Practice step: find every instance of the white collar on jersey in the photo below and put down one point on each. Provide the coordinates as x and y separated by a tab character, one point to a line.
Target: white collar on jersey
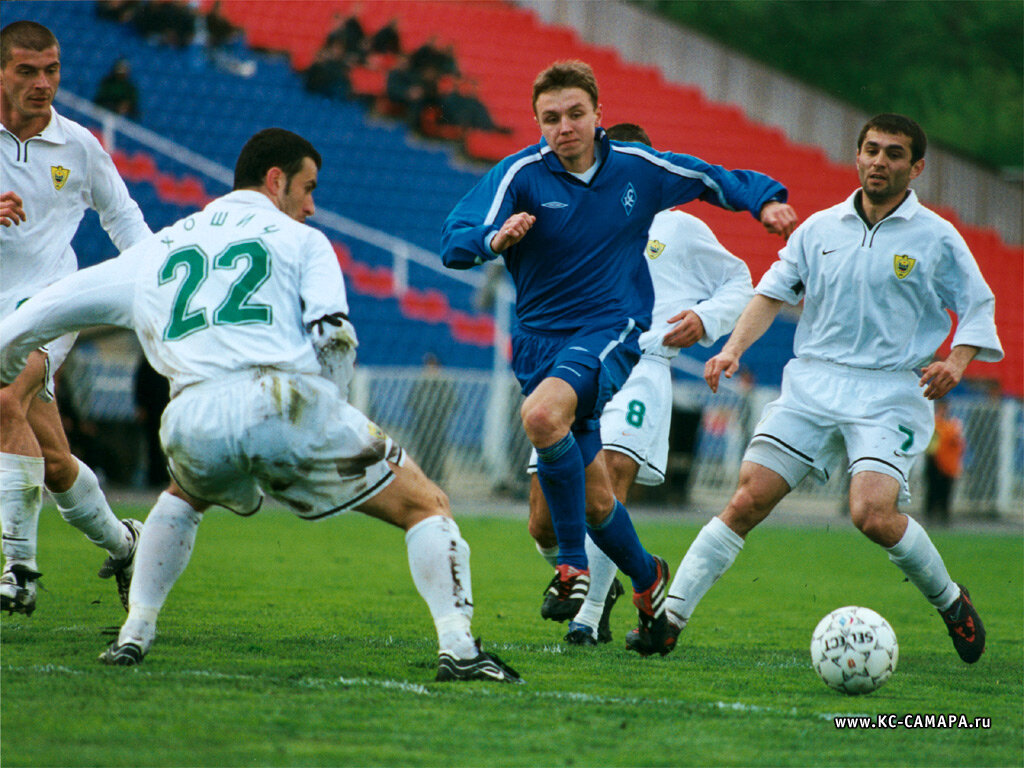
905	210
53	132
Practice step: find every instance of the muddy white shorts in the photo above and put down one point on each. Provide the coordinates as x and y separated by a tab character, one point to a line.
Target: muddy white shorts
637	419
880	419
290	436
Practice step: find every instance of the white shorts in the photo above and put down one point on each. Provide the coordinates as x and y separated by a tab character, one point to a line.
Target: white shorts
880	419
56	351
291	436
637	419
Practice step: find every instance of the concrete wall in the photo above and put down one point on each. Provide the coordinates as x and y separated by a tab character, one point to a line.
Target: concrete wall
807	115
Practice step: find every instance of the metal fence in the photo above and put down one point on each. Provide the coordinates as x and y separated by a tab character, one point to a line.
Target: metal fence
463	428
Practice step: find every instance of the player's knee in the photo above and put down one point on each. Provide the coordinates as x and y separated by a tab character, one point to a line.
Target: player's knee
745	510
60	468
543	424
875	520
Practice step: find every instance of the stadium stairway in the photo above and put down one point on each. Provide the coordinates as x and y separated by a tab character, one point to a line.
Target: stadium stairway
684	120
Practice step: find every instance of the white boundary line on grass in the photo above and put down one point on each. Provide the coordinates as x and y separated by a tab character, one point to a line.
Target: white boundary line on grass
404	686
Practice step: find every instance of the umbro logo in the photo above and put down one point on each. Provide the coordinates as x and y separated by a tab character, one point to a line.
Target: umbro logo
554	204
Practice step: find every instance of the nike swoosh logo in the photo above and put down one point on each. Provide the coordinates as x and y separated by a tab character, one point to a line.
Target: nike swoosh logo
571	370
826	253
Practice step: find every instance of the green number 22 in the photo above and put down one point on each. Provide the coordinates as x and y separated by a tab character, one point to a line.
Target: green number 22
235	309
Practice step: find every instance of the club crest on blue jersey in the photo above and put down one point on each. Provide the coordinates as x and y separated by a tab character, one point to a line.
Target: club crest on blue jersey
59	176
629	198
654	249
903	265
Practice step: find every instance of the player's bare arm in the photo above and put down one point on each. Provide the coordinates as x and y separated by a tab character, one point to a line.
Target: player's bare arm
689	329
512	231
754	321
12	209
778	218
942	375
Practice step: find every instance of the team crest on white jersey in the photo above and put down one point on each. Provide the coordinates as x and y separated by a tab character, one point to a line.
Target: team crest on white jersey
903	265
654	249
629	198
59	175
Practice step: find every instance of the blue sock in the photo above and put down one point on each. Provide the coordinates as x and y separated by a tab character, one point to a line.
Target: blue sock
617	538
561	474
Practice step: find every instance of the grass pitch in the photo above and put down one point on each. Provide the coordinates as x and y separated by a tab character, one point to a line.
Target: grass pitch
295	644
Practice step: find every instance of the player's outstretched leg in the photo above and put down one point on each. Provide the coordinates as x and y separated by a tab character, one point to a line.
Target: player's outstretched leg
164	549
590	625
616	536
561	475
439	564
965	627
21	498
83	505
709	556
920	561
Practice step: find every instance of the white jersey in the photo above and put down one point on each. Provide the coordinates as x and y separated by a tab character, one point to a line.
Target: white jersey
231	288
876	297
59	174
690	269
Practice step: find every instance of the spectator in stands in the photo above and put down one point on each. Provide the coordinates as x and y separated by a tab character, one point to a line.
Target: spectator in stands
461	106
433	57
328	74
221	36
171	22
867	270
573	242
117	92
349	32
386	41
121	11
405	91
943	463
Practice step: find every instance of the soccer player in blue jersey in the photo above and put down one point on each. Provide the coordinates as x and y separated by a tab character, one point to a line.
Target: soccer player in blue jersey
570	216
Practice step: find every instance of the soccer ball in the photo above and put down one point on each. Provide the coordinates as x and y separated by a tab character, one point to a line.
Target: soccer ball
854	650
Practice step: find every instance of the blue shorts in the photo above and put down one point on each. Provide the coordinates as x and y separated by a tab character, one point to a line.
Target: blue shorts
594	362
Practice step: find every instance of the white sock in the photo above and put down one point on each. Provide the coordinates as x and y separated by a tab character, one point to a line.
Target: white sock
709	556
550	554
921	562
165	547
85	507
439	562
602	573
21	498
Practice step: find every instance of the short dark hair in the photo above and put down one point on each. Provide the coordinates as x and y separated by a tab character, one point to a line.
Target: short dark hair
25	34
629	132
571	73
888	122
272	148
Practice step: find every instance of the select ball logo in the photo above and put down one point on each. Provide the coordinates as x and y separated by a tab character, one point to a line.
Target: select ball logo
854	650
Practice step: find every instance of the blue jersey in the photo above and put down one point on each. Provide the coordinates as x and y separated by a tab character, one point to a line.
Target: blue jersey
581	265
